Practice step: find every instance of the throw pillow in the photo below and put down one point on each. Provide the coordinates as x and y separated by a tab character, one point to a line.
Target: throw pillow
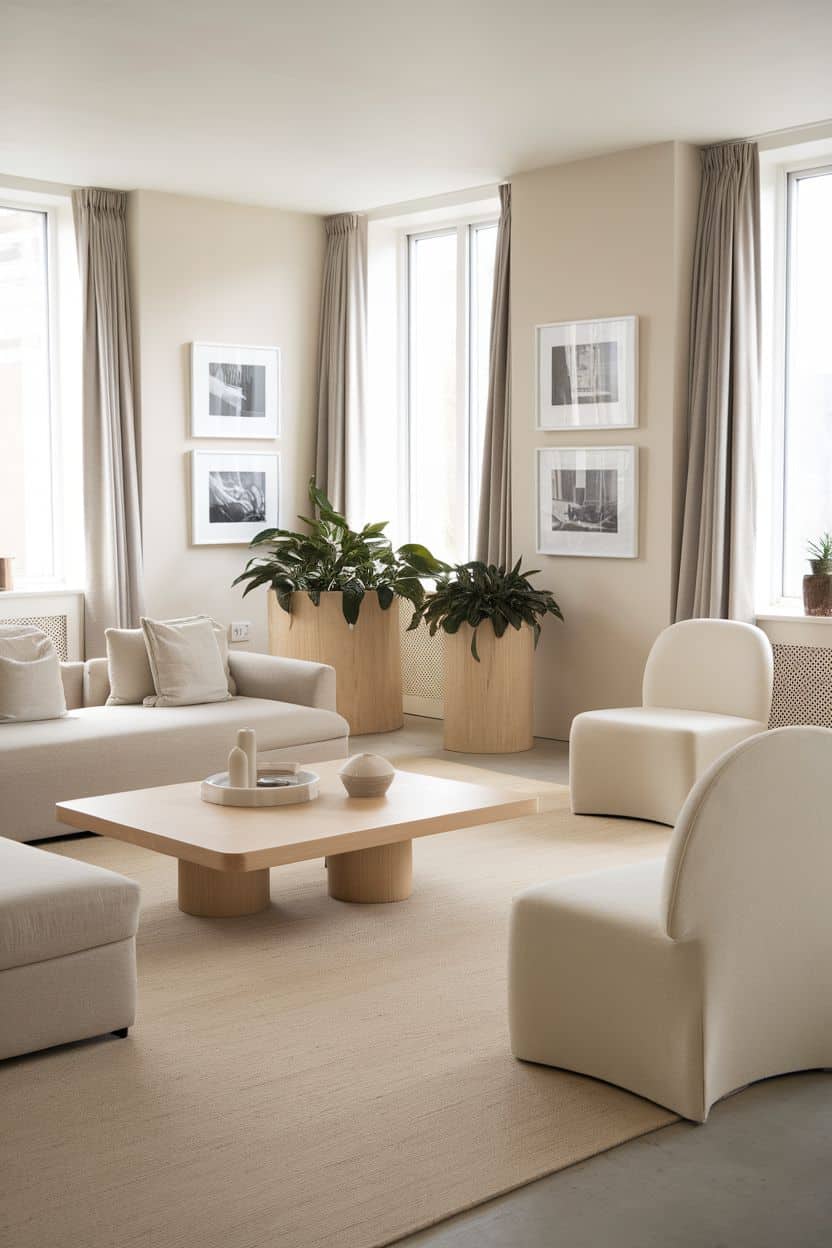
131	680
185	662
30	675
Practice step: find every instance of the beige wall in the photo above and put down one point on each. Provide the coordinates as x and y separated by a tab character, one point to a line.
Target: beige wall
205	270
597	238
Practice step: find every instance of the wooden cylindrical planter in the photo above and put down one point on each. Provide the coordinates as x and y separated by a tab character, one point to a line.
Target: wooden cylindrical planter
489	705
367	658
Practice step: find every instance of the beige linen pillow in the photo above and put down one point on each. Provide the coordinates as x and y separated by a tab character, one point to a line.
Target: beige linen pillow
186	663
131	680
30	675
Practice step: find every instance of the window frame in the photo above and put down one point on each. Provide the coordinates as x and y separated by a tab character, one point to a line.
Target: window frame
466	229
46	206
778	188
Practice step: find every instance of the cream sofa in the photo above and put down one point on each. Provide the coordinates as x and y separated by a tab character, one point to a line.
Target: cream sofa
685	978
67	950
104	749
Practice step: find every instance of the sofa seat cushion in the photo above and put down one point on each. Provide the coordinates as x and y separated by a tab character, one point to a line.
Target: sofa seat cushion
110	749
278	724
51	906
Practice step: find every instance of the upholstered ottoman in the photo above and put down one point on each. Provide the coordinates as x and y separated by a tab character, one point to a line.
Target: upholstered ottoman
67	949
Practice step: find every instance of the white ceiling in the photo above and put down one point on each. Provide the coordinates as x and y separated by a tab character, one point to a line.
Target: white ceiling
324	105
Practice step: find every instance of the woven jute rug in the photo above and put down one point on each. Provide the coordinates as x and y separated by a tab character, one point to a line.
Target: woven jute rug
321	1074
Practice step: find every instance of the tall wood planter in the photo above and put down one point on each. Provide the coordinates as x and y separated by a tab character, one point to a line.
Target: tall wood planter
489	705
367	658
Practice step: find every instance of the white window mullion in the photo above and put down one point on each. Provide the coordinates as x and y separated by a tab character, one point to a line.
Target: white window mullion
463	389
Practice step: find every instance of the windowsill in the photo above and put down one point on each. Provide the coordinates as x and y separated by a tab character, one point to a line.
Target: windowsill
46	591
793	612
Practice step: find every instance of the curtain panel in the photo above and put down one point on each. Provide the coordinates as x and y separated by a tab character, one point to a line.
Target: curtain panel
342	364
494	522
112	517
716	565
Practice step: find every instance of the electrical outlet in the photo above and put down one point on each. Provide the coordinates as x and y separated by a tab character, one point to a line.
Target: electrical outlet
240	630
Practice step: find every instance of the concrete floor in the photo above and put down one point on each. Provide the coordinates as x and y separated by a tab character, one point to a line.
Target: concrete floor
758	1174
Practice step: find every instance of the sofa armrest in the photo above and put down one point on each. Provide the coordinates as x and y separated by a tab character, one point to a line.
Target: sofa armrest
96	682
283	680
72	675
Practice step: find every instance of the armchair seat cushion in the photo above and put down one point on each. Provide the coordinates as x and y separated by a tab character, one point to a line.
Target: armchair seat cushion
642	761
598	987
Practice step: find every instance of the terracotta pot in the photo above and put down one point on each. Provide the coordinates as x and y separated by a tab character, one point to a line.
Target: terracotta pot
367	658
817	593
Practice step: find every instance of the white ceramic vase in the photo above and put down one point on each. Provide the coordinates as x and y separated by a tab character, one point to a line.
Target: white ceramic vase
367	775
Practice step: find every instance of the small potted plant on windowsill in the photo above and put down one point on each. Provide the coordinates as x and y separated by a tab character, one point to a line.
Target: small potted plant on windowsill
817	586
489	676
332	592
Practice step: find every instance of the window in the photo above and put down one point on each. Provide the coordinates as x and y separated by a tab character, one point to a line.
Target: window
40	501
807	434
449	279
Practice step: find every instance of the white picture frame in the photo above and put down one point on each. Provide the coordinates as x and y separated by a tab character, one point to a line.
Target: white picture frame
590	508
586	374
235	391
225	482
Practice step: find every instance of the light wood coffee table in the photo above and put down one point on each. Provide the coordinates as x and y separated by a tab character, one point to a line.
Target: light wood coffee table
225	853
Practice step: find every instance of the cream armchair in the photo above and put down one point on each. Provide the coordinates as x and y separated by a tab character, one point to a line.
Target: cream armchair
707	686
687	978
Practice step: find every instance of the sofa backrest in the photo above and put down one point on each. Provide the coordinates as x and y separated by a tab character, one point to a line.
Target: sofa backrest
85	684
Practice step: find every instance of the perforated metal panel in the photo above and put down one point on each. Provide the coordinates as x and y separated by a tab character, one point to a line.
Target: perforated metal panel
802	686
55	626
422	675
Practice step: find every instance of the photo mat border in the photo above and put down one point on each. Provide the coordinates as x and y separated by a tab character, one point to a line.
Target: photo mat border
630	546
632	398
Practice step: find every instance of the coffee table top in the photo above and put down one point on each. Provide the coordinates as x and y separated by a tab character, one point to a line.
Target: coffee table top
174	820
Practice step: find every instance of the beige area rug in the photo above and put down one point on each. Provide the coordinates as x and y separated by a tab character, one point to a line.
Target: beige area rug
322	1075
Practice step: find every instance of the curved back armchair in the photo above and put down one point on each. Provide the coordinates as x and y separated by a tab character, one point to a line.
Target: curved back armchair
748	878
724	667
707	685
688	977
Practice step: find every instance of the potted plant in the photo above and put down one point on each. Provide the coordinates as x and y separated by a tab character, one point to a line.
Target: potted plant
333	587
817	587
489	678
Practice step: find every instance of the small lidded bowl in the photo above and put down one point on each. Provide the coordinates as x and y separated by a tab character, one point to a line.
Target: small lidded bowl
367	775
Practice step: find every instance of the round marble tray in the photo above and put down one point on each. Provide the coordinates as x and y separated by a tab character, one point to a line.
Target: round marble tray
303	788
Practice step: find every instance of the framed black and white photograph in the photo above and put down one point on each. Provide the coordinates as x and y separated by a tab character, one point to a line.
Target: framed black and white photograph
587	374
233	496
587	501
235	391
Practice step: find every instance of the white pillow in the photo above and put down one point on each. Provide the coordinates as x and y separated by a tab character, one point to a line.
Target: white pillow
185	662
30	675
131	680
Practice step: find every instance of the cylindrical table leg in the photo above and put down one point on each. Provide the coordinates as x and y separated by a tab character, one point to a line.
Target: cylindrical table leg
221	894
384	873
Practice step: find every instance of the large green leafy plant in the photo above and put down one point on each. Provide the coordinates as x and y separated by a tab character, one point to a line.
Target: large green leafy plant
332	556
473	593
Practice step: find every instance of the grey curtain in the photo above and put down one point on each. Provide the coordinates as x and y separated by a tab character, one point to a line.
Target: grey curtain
716	562
494	525
342	355
112	522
